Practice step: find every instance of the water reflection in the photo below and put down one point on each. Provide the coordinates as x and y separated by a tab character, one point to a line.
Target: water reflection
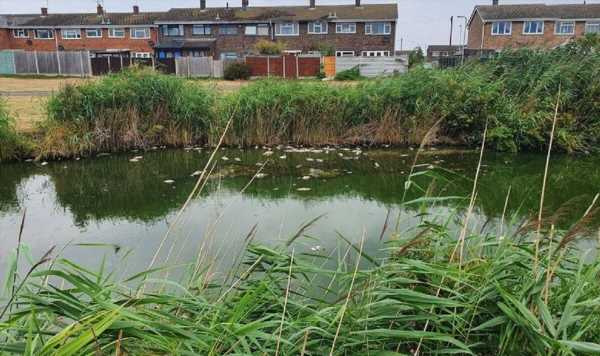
114	201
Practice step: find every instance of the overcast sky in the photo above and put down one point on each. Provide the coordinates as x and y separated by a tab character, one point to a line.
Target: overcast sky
420	23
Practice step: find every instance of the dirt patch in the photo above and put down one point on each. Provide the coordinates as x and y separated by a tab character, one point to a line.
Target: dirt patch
13	84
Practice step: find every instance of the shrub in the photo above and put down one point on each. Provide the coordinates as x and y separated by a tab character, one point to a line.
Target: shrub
122	111
267	47
12	146
235	71
349	74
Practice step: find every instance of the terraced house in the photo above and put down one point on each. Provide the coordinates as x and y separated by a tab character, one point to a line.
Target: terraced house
347	30
100	33
228	32
497	26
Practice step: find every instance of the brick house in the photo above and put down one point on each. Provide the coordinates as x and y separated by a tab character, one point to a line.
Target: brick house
496	27
100	33
230	32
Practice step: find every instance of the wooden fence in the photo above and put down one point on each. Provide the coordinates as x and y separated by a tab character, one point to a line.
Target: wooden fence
373	66
75	63
286	66
198	67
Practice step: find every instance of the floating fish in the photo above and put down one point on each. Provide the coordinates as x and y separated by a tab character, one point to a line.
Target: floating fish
169	181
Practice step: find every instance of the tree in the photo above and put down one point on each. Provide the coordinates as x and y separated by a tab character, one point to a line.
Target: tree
416	58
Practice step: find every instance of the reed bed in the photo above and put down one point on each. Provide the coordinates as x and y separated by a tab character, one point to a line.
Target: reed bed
12	145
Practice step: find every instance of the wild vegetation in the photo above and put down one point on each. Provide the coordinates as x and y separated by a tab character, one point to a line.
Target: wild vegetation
512	94
134	109
12	145
435	290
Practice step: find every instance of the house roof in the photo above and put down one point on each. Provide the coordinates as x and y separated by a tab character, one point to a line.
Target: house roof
92	19
538	11
387	12
15	20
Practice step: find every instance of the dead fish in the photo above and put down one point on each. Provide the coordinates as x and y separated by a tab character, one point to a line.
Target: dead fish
169	181
197	173
225	158
237	159
44	163
261	175
303	189
282	157
268	153
306	178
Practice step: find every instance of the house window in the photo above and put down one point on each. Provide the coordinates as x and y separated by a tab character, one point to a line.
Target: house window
592	27
116	32
228	30
317	27
93	33
71	34
375	53
502	28
229	55
257	30
140	33
345	27
344	53
21	33
172	30
44	34
565	28
201	30
378	28
142	55
287	29
533	27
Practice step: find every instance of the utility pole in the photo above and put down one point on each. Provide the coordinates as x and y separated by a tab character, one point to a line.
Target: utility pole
451	28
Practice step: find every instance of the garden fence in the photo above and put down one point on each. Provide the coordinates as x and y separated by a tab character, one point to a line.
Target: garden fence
373	66
72	63
198	67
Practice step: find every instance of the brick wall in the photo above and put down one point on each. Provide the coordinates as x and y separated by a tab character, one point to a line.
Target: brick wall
517	39
4	39
244	44
104	43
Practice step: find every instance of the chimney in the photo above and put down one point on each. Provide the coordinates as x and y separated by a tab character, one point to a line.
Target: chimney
245	4
312	4
495	2
99	10
357	3
136	10
44	11
202	4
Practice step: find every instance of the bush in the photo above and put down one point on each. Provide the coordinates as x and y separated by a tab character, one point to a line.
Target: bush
12	146
267	47
236	71
135	108
350	74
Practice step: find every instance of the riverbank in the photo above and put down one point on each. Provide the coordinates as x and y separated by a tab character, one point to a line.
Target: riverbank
514	95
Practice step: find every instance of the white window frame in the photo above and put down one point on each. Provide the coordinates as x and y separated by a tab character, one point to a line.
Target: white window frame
375	53
37	37
147	34
165	30
345	54
591	24
204	28
496	28
145	55
323	28
257	30
70	34
339	27
387	28
20	33
97	30
558	26
293	25
229	55
112	30
222	27
533	33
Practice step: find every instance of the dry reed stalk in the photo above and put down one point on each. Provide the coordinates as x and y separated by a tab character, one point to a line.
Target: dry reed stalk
345	306
501	228
187	202
546	168
461	240
287	294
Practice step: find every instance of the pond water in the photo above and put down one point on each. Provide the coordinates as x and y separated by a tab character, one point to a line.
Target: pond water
114	209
